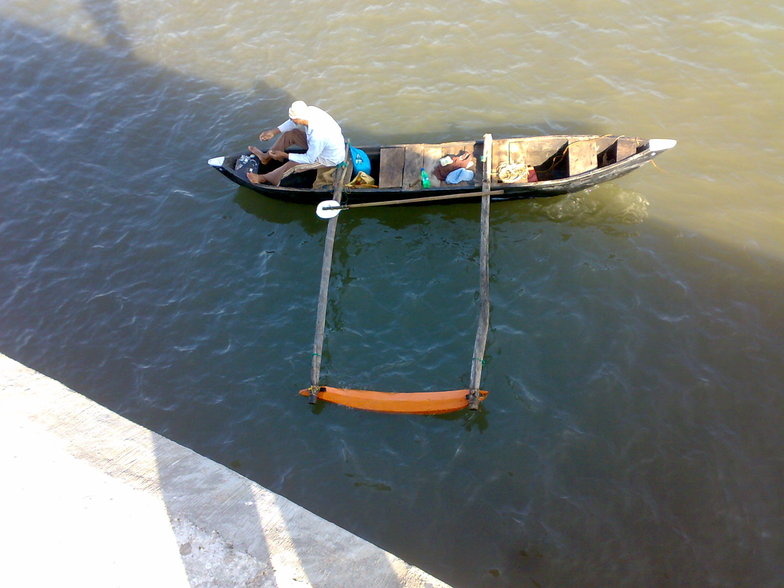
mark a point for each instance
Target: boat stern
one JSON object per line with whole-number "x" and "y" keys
{"x": 216, "y": 162}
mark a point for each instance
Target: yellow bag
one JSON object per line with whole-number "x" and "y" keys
{"x": 362, "y": 180}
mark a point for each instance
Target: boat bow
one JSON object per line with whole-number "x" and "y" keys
{"x": 659, "y": 145}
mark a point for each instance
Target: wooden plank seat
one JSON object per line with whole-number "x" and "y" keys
{"x": 390, "y": 173}
{"x": 401, "y": 165}
{"x": 627, "y": 146}
{"x": 584, "y": 153}
{"x": 414, "y": 162}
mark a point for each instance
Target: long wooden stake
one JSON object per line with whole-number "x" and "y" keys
{"x": 326, "y": 270}
{"x": 474, "y": 397}
{"x": 422, "y": 199}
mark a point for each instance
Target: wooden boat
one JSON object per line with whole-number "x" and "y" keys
{"x": 561, "y": 164}
{"x": 504, "y": 169}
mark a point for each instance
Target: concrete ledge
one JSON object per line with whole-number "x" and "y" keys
{"x": 92, "y": 499}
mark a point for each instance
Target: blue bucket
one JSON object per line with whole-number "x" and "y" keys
{"x": 361, "y": 161}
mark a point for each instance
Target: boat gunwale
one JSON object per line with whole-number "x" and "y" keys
{"x": 512, "y": 190}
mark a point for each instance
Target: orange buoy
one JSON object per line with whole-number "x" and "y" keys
{"x": 396, "y": 402}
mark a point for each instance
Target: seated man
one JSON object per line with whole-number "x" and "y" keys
{"x": 308, "y": 127}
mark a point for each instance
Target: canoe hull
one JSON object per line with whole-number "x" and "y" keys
{"x": 296, "y": 189}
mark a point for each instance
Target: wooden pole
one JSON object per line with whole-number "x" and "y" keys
{"x": 326, "y": 270}
{"x": 477, "y": 361}
{"x": 422, "y": 199}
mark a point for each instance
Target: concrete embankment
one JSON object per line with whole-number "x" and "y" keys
{"x": 92, "y": 499}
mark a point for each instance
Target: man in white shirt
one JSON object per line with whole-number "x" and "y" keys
{"x": 308, "y": 127}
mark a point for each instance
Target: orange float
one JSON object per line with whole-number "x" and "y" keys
{"x": 396, "y": 402}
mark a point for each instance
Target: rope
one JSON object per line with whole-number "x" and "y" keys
{"x": 513, "y": 173}
{"x": 664, "y": 171}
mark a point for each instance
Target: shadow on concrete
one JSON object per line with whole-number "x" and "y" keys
{"x": 126, "y": 484}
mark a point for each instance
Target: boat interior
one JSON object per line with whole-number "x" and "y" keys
{"x": 398, "y": 167}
